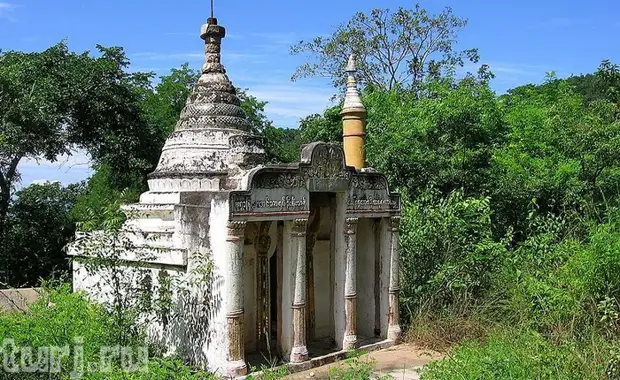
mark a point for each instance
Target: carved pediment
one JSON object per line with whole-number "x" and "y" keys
{"x": 285, "y": 189}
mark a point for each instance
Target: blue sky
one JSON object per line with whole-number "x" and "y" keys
{"x": 520, "y": 40}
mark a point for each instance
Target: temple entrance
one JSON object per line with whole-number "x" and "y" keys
{"x": 368, "y": 274}
{"x": 262, "y": 293}
{"x": 320, "y": 274}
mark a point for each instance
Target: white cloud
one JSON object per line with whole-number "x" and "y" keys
{"x": 149, "y": 56}
{"x": 6, "y": 10}
{"x": 288, "y": 102}
{"x": 78, "y": 159}
{"x": 66, "y": 169}
{"x": 196, "y": 57}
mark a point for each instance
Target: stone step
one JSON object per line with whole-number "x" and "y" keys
{"x": 164, "y": 211}
{"x": 151, "y": 238}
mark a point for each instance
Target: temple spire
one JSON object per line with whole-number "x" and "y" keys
{"x": 353, "y": 121}
{"x": 213, "y": 135}
{"x": 212, "y": 34}
{"x": 352, "y": 99}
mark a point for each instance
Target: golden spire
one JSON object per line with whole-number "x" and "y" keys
{"x": 353, "y": 121}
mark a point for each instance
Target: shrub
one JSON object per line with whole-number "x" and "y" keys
{"x": 59, "y": 317}
{"x": 448, "y": 253}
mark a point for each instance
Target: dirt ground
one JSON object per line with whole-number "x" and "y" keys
{"x": 401, "y": 362}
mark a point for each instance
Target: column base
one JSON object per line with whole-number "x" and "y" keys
{"x": 395, "y": 333}
{"x": 237, "y": 368}
{"x": 299, "y": 354}
{"x": 349, "y": 342}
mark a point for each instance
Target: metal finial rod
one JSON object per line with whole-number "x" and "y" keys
{"x": 211, "y": 8}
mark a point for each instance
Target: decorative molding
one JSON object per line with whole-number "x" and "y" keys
{"x": 369, "y": 182}
{"x": 327, "y": 162}
{"x": 284, "y": 189}
{"x": 351, "y": 226}
{"x": 299, "y": 227}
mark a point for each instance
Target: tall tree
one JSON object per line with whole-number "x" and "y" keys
{"x": 56, "y": 100}
{"x": 393, "y": 49}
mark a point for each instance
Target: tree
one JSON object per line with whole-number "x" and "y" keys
{"x": 54, "y": 101}
{"x": 444, "y": 141}
{"x": 39, "y": 225}
{"x": 393, "y": 49}
{"x": 561, "y": 154}
{"x": 164, "y": 103}
{"x": 281, "y": 144}
{"x": 326, "y": 127}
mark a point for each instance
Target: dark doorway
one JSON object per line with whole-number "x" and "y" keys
{"x": 320, "y": 274}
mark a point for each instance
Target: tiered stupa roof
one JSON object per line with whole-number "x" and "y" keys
{"x": 212, "y": 139}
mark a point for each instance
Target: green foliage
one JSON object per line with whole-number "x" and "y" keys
{"x": 59, "y": 316}
{"x": 281, "y": 144}
{"x": 445, "y": 140}
{"x": 353, "y": 369}
{"x": 163, "y": 105}
{"x": 560, "y": 153}
{"x": 99, "y": 207}
{"x": 448, "y": 251}
{"x": 510, "y": 221}
{"x": 54, "y": 101}
{"x": 268, "y": 373}
{"x": 39, "y": 225}
{"x": 326, "y": 127}
{"x": 562, "y": 285}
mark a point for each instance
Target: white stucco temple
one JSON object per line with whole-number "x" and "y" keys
{"x": 302, "y": 259}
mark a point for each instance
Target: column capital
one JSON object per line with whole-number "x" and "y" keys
{"x": 236, "y": 228}
{"x": 351, "y": 226}
{"x": 299, "y": 226}
{"x": 394, "y": 223}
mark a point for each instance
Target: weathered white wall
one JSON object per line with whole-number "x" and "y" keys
{"x": 98, "y": 285}
{"x": 365, "y": 278}
{"x": 215, "y": 346}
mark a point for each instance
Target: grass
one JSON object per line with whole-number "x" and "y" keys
{"x": 521, "y": 354}
{"x": 441, "y": 334}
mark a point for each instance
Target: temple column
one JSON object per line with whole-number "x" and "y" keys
{"x": 350, "y": 285}
{"x": 299, "y": 353}
{"x": 262, "y": 243}
{"x": 234, "y": 312}
{"x": 394, "y": 331}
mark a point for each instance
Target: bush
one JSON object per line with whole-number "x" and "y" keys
{"x": 448, "y": 254}
{"x": 564, "y": 286}
{"x": 58, "y": 318}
